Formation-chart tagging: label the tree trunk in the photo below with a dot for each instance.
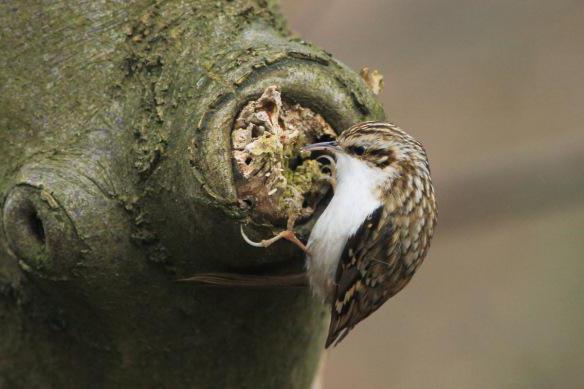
(116, 180)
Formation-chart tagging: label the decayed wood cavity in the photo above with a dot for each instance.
(274, 179)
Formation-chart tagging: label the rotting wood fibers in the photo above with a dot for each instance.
(276, 181)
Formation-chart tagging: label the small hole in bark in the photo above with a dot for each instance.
(257, 131)
(27, 226)
(269, 106)
(248, 160)
(295, 162)
(325, 138)
(36, 226)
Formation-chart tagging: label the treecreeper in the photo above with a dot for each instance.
(136, 138)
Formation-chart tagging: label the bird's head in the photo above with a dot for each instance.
(382, 147)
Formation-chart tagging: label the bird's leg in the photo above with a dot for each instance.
(332, 166)
(236, 280)
(288, 234)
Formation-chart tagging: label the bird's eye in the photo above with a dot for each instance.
(359, 150)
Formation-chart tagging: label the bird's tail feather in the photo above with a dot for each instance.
(249, 280)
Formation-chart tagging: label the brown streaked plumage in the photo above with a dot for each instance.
(380, 255)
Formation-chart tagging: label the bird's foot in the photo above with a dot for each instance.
(289, 235)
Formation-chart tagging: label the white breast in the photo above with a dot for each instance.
(353, 201)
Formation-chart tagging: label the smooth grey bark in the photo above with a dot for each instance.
(116, 180)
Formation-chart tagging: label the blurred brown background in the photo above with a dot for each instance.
(495, 90)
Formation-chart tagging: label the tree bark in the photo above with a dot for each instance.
(116, 180)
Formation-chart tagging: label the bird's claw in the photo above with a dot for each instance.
(289, 235)
(248, 240)
(332, 167)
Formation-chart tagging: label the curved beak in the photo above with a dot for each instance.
(327, 146)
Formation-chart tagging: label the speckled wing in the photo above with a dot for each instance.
(370, 271)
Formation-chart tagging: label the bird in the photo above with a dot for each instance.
(376, 230)
(374, 233)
